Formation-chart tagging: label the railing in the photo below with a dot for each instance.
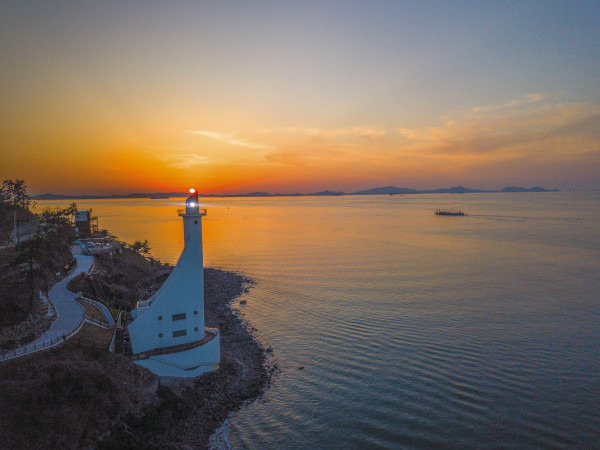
(99, 323)
(53, 342)
(201, 211)
(29, 349)
(111, 347)
(210, 334)
(109, 319)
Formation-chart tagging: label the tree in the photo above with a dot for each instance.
(15, 193)
(71, 209)
(14, 203)
(45, 254)
(143, 248)
(58, 223)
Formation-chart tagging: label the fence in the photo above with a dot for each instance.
(111, 347)
(99, 323)
(53, 342)
(103, 308)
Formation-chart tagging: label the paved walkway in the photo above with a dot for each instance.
(70, 314)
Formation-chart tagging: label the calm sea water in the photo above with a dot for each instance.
(413, 330)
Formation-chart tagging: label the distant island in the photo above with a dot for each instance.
(387, 190)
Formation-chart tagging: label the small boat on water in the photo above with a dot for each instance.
(440, 212)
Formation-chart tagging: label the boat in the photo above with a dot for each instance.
(440, 212)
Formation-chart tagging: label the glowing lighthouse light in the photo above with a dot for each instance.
(168, 334)
(191, 204)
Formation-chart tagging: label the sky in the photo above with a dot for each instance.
(232, 97)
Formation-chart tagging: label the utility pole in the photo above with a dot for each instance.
(16, 228)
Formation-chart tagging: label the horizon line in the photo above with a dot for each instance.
(386, 190)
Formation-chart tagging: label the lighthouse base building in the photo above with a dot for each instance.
(168, 335)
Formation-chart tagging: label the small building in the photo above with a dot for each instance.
(85, 223)
(168, 335)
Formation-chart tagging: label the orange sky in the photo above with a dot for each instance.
(130, 98)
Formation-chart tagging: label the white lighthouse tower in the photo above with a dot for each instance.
(168, 335)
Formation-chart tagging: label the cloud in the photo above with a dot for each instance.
(364, 132)
(185, 160)
(305, 156)
(527, 127)
(527, 99)
(318, 147)
(228, 139)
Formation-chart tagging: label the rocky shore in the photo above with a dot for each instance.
(187, 416)
(80, 397)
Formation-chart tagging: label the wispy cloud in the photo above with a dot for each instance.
(185, 160)
(228, 139)
(326, 147)
(525, 100)
(364, 132)
(527, 127)
(306, 156)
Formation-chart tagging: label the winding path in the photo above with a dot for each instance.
(70, 314)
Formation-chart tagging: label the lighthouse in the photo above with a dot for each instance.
(168, 335)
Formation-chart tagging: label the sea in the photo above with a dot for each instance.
(397, 328)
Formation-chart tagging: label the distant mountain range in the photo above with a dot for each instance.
(388, 190)
(453, 190)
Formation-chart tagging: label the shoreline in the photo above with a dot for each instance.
(197, 409)
(96, 399)
(243, 356)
